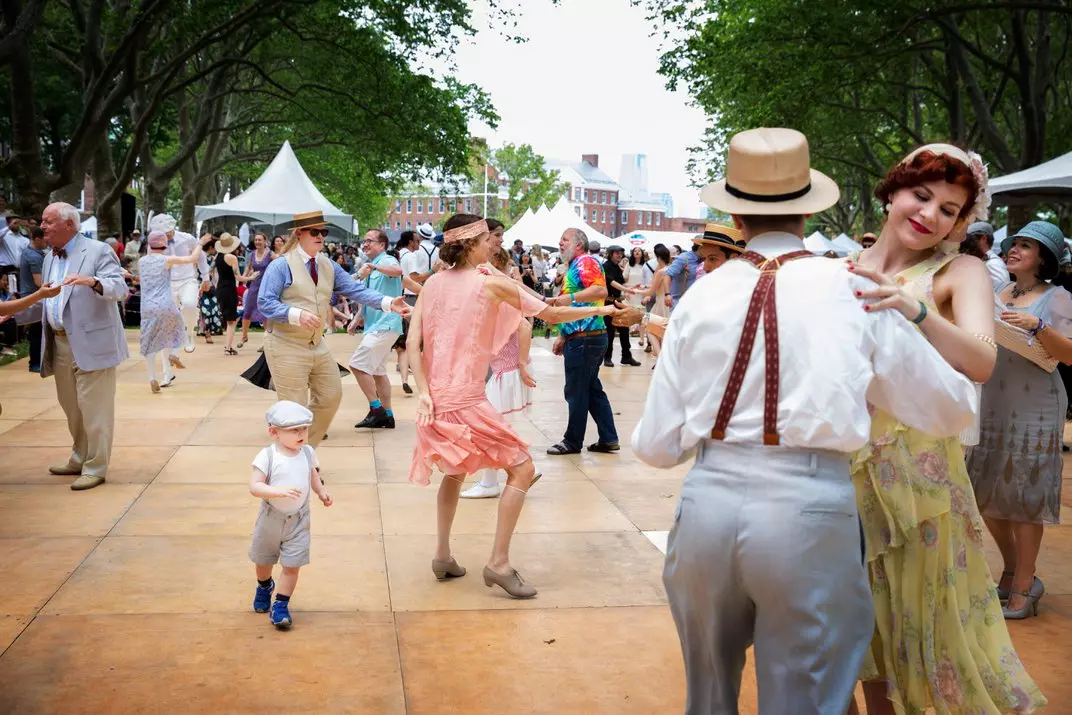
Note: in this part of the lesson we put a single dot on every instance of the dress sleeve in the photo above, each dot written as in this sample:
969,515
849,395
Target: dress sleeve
1060,312
508,318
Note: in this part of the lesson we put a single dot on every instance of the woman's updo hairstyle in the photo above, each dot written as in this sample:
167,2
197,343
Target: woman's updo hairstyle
454,253
928,166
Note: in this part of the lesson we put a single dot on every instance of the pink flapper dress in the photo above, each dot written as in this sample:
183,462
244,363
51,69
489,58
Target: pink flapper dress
462,328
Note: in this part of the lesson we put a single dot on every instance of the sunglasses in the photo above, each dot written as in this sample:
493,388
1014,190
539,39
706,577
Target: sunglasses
314,232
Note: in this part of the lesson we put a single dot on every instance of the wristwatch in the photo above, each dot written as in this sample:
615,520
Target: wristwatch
97,286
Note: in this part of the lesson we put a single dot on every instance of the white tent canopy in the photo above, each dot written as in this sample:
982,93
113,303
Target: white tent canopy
284,189
89,227
818,243
1052,178
545,226
845,245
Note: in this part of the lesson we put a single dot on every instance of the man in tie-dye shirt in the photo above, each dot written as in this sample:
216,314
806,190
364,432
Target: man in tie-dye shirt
582,344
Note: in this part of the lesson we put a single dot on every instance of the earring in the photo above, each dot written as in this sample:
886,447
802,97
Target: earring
889,207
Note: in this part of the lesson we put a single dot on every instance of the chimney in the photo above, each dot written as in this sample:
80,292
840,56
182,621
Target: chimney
592,159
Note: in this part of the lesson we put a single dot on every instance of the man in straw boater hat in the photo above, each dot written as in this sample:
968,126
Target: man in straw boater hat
718,244
295,298
766,546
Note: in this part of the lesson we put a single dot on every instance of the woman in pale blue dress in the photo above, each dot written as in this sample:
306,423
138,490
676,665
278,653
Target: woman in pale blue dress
161,322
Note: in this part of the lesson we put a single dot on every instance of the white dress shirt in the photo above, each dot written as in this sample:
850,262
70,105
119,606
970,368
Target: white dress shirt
11,246
56,273
414,262
835,358
183,244
999,272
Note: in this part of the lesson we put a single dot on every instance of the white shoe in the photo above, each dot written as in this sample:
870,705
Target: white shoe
479,491
189,347
167,381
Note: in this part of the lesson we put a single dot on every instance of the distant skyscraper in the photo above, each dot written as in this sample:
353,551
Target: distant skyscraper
634,174
666,200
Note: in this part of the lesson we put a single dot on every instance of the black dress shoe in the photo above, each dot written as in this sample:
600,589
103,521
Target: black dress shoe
374,420
604,447
608,363
406,388
562,448
631,362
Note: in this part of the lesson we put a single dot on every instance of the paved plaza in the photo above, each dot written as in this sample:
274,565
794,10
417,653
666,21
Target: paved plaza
136,596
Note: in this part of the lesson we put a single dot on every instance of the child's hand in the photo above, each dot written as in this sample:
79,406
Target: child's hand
326,499
292,493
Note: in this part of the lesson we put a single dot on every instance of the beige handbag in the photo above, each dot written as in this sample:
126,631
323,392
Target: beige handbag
1023,344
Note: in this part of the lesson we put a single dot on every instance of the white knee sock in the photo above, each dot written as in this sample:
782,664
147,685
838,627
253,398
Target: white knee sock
490,478
150,363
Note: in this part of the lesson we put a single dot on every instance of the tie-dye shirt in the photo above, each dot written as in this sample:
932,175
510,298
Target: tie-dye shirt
583,272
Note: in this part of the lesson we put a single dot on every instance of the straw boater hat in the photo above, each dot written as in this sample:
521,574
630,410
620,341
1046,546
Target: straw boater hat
310,219
722,236
227,243
768,173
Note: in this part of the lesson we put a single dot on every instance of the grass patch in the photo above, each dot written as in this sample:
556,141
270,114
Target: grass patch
23,350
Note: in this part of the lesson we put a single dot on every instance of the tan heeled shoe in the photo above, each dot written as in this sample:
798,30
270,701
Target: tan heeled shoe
447,569
512,583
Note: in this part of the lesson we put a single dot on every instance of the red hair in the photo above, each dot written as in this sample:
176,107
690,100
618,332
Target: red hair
928,166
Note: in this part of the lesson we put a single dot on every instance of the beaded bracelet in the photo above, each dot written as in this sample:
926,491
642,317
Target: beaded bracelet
986,339
922,313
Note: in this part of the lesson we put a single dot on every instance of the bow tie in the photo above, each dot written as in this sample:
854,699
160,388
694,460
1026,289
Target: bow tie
60,253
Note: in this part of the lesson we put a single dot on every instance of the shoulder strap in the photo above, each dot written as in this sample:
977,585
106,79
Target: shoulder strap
307,450
762,306
429,255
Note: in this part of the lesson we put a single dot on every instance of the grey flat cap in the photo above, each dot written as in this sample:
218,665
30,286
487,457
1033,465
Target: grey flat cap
593,246
286,414
981,227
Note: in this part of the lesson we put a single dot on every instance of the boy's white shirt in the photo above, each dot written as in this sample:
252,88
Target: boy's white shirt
287,471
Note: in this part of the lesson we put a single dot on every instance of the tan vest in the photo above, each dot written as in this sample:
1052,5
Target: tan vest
304,294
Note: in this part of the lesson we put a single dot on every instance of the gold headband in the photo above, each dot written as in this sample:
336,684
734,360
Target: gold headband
469,230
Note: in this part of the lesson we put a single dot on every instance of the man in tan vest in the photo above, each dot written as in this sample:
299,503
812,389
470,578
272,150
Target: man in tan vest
295,298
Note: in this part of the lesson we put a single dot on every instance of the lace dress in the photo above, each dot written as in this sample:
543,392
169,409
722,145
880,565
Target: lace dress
161,321
250,311
940,638
462,329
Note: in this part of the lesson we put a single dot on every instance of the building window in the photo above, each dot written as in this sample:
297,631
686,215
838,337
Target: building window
586,195
647,217
408,225
398,206
602,197
602,216
398,225
468,206
612,197
577,194
593,215
409,206
658,219
441,205
420,206
625,217
577,210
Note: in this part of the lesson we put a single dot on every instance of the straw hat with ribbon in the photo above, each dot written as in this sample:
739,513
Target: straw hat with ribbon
227,243
722,236
310,219
768,173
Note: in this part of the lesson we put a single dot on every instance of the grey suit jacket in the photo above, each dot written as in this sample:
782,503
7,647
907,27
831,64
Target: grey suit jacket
91,321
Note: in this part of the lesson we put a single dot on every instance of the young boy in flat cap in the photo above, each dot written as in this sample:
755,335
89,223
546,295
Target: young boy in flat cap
283,474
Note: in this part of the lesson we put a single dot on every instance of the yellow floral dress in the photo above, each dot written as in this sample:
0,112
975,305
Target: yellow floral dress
940,638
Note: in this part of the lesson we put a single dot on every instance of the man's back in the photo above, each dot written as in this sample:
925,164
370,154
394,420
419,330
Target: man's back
834,358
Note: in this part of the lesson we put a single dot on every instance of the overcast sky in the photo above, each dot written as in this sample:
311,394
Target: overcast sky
587,82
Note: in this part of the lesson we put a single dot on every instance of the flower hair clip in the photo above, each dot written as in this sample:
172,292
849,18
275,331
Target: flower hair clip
981,207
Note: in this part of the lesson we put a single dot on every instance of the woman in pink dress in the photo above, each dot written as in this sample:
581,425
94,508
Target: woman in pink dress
464,316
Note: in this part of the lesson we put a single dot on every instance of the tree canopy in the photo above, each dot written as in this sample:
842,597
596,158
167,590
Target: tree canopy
202,93
868,80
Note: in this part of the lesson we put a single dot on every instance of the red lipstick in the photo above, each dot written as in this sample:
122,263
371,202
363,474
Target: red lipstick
920,228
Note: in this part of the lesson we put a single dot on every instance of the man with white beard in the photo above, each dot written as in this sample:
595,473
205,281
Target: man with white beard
185,287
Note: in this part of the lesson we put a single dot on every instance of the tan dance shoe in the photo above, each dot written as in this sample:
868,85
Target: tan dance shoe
86,482
66,470
512,583
444,570
174,360
154,386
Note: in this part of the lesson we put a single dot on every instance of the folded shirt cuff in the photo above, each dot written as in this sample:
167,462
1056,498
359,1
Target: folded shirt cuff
294,316
385,304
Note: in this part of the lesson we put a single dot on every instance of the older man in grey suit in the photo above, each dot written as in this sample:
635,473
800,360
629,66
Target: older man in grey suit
83,340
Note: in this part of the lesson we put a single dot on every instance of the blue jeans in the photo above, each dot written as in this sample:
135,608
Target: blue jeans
584,392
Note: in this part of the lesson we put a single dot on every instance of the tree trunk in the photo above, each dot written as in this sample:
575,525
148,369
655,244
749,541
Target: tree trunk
1019,216
27,169
109,222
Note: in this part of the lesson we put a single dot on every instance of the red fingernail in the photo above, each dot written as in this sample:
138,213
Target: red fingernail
867,307
858,294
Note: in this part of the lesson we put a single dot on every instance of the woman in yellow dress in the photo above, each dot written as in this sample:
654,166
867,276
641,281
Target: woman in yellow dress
940,639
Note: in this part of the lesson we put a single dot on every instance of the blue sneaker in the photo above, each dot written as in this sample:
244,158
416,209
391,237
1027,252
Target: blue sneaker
262,600
281,614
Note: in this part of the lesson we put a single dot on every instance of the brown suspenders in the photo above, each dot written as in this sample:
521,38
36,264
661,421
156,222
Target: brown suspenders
762,305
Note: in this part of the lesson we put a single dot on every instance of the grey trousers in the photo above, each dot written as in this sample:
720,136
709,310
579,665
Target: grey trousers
765,550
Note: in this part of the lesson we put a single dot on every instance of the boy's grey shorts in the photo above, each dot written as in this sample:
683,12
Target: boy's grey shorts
280,538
